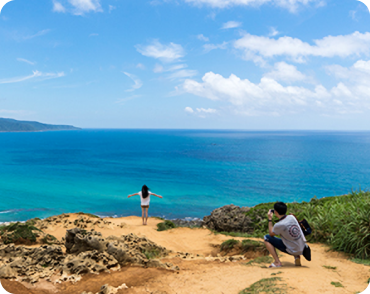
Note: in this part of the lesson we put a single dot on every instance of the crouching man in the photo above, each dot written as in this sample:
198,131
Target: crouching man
292,239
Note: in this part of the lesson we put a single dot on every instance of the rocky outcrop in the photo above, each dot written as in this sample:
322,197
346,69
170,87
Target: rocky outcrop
87,252
229,218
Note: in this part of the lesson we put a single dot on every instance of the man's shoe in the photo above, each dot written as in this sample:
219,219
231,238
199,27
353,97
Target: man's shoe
297,261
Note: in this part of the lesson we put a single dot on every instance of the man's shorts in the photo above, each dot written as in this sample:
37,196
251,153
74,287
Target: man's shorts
276,242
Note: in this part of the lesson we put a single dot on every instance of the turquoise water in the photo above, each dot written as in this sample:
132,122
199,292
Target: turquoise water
49,173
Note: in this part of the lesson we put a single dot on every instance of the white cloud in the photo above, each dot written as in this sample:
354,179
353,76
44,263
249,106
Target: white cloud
202,38
111,8
78,7
189,110
26,61
201,112
258,48
38,34
231,25
270,97
210,47
286,72
273,32
58,7
137,82
36,75
140,66
165,53
182,74
158,68
291,5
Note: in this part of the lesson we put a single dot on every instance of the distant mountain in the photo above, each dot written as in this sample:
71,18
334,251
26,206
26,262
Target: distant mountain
12,125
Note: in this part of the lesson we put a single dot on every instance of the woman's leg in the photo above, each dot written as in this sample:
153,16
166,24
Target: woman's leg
146,212
143,214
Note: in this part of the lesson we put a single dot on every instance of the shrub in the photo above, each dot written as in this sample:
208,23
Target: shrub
269,285
152,253
251,245
337,284
166,225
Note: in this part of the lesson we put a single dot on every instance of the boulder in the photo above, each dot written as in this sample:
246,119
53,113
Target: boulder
229,218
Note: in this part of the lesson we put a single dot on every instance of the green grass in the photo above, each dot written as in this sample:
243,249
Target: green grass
251,245
166,225
329,267
261,259
337,284
88,214
157,217
228,245
152,253
269,285
48,239
18,232
361,261
235,234
274,274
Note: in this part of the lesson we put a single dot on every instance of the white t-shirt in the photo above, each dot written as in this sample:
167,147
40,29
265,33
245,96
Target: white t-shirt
145,201
291,234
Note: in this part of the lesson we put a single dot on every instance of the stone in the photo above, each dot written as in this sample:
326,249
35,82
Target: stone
229,218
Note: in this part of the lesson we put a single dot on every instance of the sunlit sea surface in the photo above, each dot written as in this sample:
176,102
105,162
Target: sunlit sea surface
48,173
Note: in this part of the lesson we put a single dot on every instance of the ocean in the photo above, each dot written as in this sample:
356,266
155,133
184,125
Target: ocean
196,171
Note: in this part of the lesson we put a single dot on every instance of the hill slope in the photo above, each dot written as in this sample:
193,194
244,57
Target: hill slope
12,125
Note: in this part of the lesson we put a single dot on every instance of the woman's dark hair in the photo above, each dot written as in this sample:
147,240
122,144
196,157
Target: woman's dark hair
280,208
144,191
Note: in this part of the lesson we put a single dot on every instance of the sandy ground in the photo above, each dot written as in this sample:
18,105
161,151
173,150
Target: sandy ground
202,276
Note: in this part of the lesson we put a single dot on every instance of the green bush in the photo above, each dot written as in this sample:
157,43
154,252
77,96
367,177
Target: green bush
152,253
166,225
269,285
251,245
18,232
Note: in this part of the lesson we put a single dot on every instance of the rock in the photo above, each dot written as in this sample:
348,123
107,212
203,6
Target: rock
229,218
193,223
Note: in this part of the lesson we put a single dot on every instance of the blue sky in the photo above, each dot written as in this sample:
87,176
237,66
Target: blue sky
220,64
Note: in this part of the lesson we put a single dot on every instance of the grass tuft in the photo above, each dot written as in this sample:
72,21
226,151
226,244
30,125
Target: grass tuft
269,285
329,267
152,253
361,261
228,245
337,284
88,214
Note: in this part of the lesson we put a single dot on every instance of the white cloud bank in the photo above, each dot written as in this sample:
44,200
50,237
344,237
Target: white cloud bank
273,98
201,112
35,75
291,5
164,52
259,48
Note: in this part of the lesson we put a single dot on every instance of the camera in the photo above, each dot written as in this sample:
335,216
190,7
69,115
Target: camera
272,210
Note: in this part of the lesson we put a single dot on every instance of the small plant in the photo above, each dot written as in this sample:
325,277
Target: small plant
368,281
158,217
274,274
19,233
48,239
269,285
151,253
337,284
261,259
330,267
251,245
228,245
166,225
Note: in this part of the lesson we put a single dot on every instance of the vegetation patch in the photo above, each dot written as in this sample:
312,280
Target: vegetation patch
166,225
251,245
337,284
274,274
228,245
48,239
269,285
342,221
152,253
88,214
158,217
33,221
330,267
261,259
19,233
361,261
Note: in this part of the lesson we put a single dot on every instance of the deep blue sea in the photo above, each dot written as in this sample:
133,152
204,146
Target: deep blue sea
48,173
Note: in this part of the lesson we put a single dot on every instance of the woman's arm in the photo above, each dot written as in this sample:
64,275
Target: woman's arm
132,195
157,195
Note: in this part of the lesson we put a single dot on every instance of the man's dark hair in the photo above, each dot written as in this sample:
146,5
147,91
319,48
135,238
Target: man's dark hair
280,208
